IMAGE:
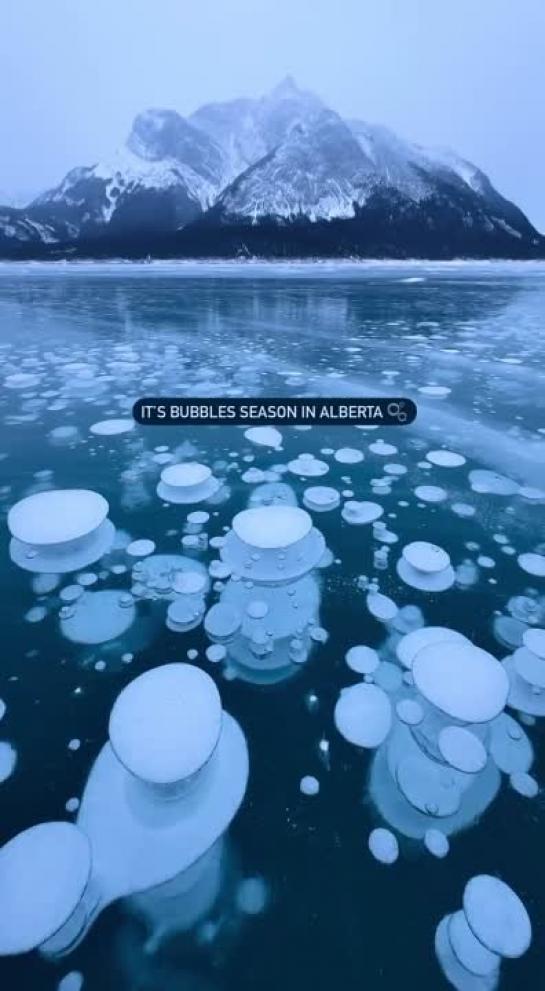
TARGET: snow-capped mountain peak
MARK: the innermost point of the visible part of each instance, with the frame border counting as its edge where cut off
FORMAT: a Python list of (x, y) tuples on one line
[(286, 89), (278, 159)]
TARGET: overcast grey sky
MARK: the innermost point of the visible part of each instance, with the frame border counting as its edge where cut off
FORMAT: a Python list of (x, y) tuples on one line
[(469, 74)]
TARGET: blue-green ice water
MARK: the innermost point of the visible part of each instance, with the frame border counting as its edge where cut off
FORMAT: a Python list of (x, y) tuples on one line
[(78, 345)]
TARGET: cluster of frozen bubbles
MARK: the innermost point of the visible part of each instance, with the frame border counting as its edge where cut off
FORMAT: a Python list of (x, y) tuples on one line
[(150, 826), (162, 792)]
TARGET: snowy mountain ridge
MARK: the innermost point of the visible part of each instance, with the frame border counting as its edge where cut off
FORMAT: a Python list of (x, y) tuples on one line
[(284, 158)]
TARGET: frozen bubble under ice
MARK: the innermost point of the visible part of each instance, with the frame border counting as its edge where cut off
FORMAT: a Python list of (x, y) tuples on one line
[(22, 380), (185, 613), (8, 759), (381, 607), (509, 745), (140, 548), (410, 712), (461, 680), (436, 843), (435, 391), (532, 564), (252, 895), (216, 653), (307, 466), (362, 659), (462, 749), (359, 513), (110, 428), (43, 874), (409, 645), (348, 456), (534, 640), (469, 950), (445, 459), (490, 482), (98, 617), (426, 557), (222, 621), (57, 516), (321, 498), (187, 482), (384, 846), (264, 436), (524, 784), (428, 786), (383, 449), (363, 715), (430, 493), (497, 916), (309, 785), (71, 982), (165, 725), (530, 667), (272, 526)]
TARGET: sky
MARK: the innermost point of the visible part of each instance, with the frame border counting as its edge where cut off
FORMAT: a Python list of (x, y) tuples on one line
[(466, 74)]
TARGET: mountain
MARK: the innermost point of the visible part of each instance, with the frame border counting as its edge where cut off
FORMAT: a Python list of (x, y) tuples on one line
[(18, 229), (165, 176), (283, 175)]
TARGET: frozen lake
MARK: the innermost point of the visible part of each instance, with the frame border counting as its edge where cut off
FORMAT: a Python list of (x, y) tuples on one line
[(440, 524)]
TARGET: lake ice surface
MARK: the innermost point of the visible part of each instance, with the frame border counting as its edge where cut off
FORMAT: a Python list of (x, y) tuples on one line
[(78, 345)]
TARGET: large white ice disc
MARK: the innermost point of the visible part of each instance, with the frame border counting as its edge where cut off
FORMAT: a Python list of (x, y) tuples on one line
[(165, 724), (57, 516), (426, 557), (43, 874), (363, 715), (272, 527), (462, 749), (409, 645), (462, 680), (497, 916)]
